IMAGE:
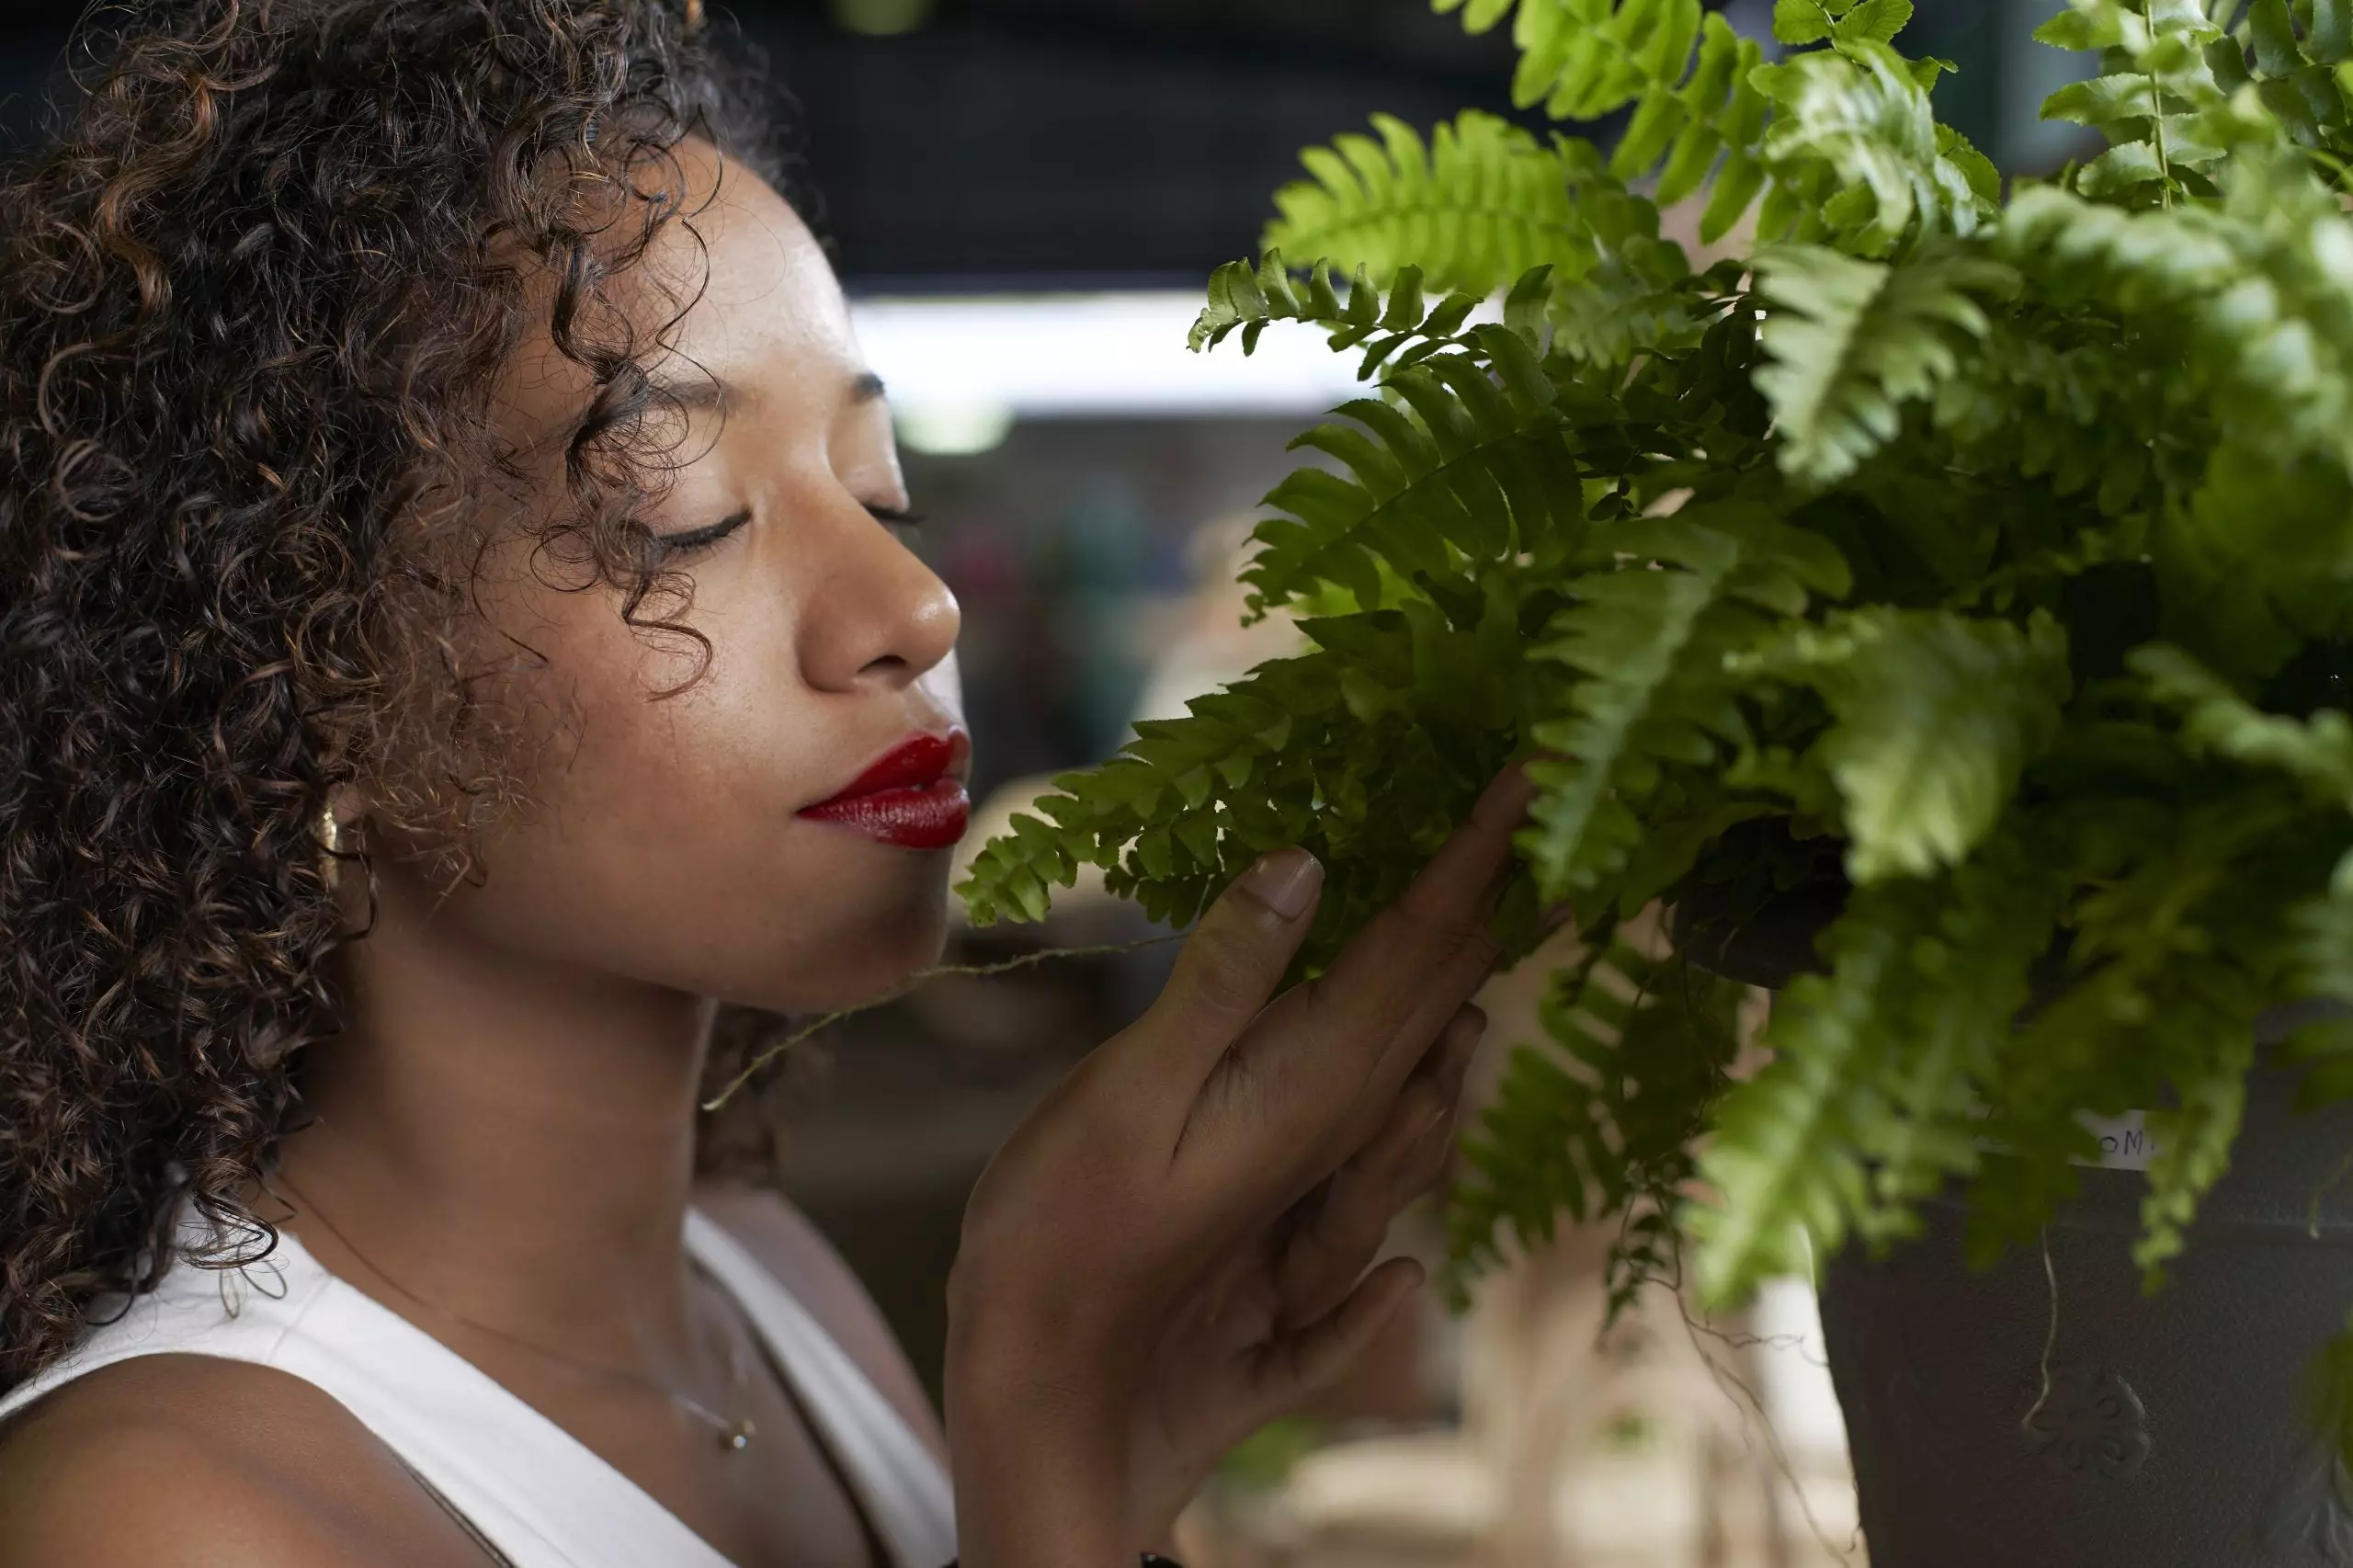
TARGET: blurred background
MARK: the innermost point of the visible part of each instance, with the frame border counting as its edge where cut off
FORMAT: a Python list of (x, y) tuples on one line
[(1024, 198)]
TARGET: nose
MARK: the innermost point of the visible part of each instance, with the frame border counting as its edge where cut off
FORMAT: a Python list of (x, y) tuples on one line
[(876, 616)]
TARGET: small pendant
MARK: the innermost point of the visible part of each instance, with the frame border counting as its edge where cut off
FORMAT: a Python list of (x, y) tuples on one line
[(737, 1435)]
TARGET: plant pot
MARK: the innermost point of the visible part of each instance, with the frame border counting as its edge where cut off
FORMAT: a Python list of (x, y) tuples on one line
[(2165, 1431), (2174, 1428)]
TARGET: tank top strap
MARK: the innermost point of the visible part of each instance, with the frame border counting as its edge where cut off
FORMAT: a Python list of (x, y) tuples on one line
[(896, 1481)]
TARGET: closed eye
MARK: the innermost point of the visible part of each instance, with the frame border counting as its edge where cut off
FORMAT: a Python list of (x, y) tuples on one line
[(903, 517), (695, 540)]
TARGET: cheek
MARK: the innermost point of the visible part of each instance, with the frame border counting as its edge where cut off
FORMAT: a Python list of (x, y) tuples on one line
[(662, 843)]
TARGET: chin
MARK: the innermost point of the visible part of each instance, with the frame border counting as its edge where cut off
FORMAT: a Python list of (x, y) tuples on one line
[(865, 959)]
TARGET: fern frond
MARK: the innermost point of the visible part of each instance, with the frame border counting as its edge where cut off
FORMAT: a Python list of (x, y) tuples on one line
[(1650, 639), (2183, 933), (2323, 960), (1598, 1119), (1250, 297), (1839, 142), (1457, 467), (2180, 92), (1853, 341), (2154, 111), (1687, 73), (2250, 298), (1856, 157), (1977, 937), (1368, 751), (1484, 205), (2318, 750), (1478, 16), (1477, 206), (2191, 1139), (1934, 717), (1785, 1169)]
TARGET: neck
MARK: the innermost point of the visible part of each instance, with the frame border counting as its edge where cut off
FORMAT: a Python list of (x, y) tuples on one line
[(507, 1139)]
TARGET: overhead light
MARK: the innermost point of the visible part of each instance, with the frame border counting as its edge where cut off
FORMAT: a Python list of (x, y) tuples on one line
[(1091, 356), (953, 428), (882, 18)]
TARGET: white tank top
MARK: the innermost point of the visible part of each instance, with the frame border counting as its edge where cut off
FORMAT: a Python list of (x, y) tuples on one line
[(529, 1491)]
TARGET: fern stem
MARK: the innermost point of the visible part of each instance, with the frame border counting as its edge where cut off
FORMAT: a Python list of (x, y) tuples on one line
[(2049, 1340), (825, 1021)]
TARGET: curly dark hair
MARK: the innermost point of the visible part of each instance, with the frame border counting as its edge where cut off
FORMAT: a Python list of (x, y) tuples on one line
[(255, 286)]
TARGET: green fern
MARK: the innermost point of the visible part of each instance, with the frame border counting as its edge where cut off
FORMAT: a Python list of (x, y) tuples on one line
[(1476, 208), (1854, 341), (1651, 637), (1687, 73), (2185, 87), (1996, 552), (1839, 142), (1933, 719), (1787, 1164), (1483, 206), (1598, 1120), (1870, 1103), (2317, 750), (1251, 297), (1856, 158)]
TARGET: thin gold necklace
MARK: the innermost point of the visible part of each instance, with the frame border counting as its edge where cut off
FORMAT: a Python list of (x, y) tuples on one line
[(734, 1434)]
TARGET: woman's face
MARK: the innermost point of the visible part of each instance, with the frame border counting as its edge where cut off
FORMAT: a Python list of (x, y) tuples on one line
[(671, 840)]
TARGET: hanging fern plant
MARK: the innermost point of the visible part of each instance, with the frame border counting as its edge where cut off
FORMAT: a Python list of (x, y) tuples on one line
[(1989, 561)]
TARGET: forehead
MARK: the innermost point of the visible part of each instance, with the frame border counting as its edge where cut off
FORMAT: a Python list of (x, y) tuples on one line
[(735, 285)]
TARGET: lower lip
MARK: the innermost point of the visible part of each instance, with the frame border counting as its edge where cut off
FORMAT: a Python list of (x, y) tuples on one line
[(925, 816)]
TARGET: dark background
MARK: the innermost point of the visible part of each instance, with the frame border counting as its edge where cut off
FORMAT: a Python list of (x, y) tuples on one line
[(1004, 142)]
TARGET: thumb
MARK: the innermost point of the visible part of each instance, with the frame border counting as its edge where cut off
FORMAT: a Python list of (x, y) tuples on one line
[(1236, 956)]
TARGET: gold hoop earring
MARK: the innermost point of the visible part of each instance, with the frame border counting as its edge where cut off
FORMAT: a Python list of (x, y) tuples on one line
[(330, 842)]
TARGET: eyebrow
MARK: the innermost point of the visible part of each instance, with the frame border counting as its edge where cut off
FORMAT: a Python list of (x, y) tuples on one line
[(698, 395)]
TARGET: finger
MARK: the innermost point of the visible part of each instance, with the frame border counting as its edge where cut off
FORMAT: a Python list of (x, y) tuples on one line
[(1292, 1366), (1365, 1022), (1346, 1220), (1232, 961), (1412, 1143), (1415, 1134)]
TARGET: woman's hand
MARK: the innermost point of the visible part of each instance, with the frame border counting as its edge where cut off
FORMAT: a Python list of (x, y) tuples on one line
[(1171, 1249)]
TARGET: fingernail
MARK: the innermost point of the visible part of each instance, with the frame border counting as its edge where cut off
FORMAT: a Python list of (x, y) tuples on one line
[(1285, 881)]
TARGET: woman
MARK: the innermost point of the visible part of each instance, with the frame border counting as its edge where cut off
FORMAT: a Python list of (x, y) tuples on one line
[(453, 635)]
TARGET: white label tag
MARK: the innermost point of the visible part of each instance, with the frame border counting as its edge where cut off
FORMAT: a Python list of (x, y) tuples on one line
[(2124, 1141)]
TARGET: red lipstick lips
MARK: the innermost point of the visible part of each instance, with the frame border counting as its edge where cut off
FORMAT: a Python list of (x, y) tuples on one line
[(912, 796)]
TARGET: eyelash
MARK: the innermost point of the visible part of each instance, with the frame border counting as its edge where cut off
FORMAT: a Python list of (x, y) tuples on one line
[(696, 540)]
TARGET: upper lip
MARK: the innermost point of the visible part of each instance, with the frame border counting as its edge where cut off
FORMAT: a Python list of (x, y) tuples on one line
[(921, 759)]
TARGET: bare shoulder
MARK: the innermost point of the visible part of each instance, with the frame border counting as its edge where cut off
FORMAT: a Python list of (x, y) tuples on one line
[(801, 1258), (195, 1461)]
